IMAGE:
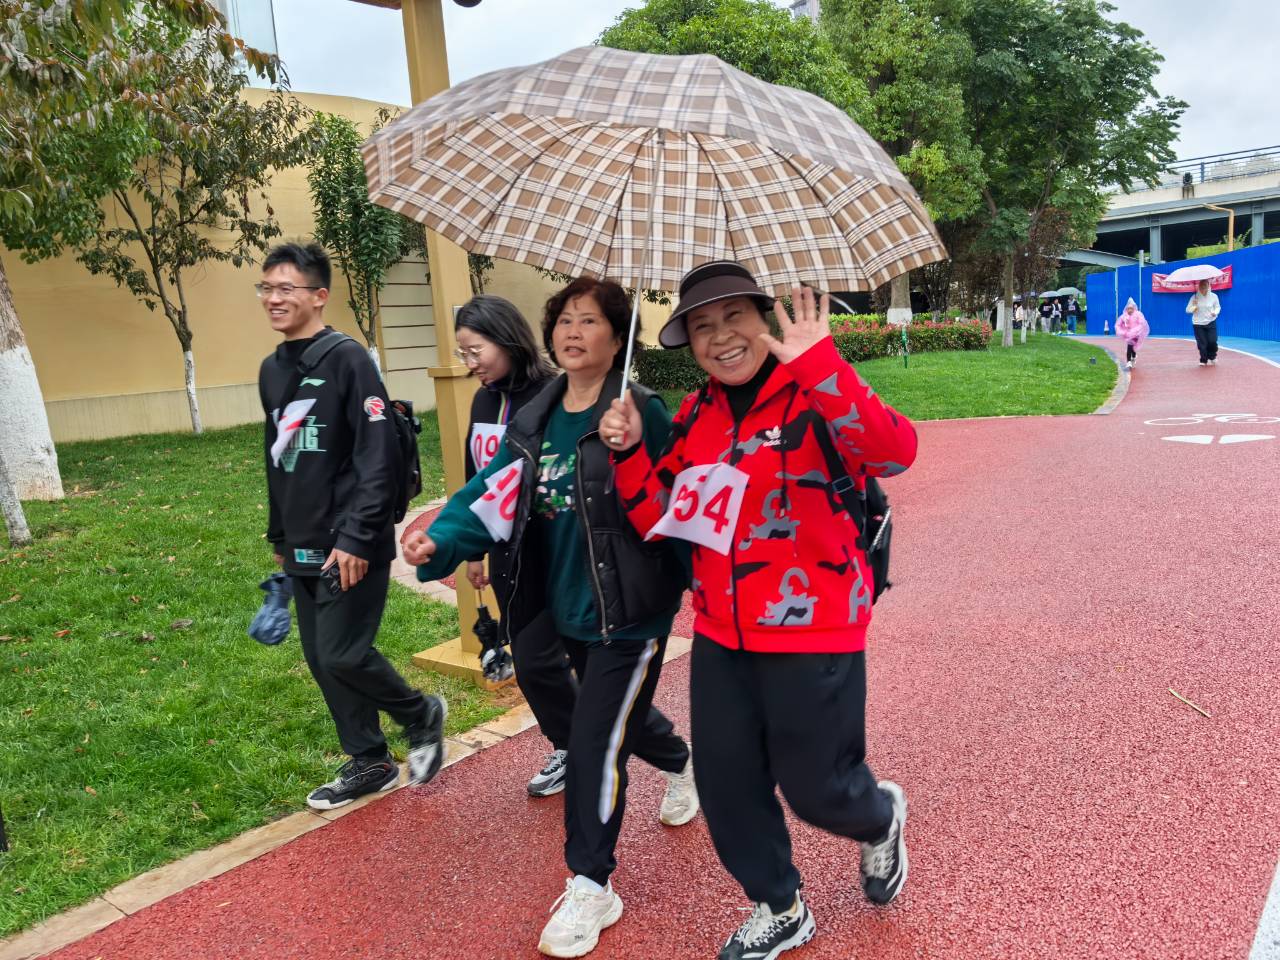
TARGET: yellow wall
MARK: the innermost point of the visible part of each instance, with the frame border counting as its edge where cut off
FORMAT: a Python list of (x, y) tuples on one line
[(110, 367)]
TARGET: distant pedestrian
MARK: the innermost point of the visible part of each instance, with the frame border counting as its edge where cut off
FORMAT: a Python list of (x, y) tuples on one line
[(1055, 314), (1073, 314), (1046, 316), (1132, 327), (1204, 309)]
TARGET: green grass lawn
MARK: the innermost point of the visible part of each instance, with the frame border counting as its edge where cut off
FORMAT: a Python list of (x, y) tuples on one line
[(139, 721), (1047, 375)]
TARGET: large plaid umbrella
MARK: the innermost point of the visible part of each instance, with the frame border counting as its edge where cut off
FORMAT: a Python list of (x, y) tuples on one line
[(638, 167)]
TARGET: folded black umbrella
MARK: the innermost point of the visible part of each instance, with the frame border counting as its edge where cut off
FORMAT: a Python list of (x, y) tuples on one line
[(495, 661)]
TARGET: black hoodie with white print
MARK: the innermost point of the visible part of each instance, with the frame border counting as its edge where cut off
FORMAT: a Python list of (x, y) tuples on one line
[(331, 458)]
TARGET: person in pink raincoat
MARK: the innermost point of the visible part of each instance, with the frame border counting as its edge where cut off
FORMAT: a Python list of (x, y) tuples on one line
[(1132, 327)]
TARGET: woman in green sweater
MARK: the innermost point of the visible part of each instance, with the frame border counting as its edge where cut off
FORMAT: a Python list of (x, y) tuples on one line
[(547, 511)]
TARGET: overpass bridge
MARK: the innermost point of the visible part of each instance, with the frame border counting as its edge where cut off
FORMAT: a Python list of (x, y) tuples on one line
[(1176, 214)]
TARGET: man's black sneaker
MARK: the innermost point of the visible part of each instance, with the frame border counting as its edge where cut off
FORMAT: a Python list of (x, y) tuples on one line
[(550, 779), (884, 864), (766, 935), (355, 778), (426, 741)]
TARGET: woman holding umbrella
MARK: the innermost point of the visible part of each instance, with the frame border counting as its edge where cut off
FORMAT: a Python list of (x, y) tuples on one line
[(782, 589), (1204, 308), (546, 510), (1131, 326)]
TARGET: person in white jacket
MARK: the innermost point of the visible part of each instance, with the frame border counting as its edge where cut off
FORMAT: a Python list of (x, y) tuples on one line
[(1204, 309)]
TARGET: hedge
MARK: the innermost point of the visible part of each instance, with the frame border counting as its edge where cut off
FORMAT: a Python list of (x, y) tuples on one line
[(858, 337)]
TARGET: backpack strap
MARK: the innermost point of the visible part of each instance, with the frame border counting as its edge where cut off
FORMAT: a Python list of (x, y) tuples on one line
[(319, 348), (841, 484)]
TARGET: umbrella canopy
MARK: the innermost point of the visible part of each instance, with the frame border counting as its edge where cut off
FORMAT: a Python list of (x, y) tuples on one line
[(639, 166), (1198, 271), (1070, 292), (1049, 293)]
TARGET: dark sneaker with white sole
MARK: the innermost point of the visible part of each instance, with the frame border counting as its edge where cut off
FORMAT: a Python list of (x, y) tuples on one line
[(884, 864), (766, 935), (426, 741), (355, 778), (550, 779)]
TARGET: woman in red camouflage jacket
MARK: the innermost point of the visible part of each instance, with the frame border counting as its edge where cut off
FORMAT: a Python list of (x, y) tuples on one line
[(782, 592)]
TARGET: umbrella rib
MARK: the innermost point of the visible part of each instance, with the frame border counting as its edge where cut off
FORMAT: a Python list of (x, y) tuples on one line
[(724, 203), (554, 138), (631, 178)]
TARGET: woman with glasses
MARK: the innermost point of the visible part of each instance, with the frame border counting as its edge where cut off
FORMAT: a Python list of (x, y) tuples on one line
[(496, 344)]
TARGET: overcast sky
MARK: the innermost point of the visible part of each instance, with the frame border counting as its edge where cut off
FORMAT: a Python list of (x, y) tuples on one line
[(1225, 66)]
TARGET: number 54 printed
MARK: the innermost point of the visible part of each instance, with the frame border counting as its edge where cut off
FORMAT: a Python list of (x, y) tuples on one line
[(704, 506)]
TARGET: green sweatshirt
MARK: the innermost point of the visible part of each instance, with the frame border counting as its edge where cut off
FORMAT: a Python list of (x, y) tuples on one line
[(458, 533)]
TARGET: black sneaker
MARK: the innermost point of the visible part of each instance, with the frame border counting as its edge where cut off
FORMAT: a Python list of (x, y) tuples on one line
[(550, 779), (426, 741), (355, 778), (766, 935), (884, 864)]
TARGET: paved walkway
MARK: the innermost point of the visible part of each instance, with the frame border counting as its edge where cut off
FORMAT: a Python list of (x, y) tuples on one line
[(1055, 578)]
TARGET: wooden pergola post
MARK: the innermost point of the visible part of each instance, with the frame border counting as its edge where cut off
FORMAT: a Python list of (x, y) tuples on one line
[(450, 289)]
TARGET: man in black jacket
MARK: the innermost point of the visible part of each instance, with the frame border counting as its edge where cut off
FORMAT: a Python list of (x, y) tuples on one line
[(332, 460)]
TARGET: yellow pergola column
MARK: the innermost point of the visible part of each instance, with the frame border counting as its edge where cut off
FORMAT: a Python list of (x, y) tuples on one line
[(450, 289)]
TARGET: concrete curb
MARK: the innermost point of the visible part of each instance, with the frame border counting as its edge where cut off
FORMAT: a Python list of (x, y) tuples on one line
[(1122, 384)]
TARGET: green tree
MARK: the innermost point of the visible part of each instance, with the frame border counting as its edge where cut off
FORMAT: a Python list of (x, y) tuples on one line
[(365, 239), (912, 56), (73, 81), (200, 193), (753, 35), (1062, 103)]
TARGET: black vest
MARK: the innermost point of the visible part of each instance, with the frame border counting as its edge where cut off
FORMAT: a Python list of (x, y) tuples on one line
[(633, 581)]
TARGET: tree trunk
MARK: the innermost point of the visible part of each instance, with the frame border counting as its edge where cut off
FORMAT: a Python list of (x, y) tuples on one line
[(1007, 339), (15, 520), (900, 300), (377, 361), (26, 445), (193, 402)]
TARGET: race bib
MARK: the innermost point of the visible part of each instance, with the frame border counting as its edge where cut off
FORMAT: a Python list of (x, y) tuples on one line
[(287, 425), (486, 438), (704, 506), (496, 507)]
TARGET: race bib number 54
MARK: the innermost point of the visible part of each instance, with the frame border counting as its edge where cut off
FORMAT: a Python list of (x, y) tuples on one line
[(704, 506)]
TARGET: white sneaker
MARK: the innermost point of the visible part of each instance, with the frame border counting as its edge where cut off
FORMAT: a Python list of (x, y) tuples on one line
[(680, 802), (1129, 365), (577, 919)]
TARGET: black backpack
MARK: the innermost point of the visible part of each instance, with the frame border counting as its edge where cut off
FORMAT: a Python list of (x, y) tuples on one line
[(407, 426), (869, 508)]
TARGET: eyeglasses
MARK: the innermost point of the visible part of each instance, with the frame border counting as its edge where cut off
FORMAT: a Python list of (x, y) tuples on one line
[(469, 354), (265, 290)]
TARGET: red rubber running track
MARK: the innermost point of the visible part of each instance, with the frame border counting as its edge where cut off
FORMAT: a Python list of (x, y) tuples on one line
[(1055, 577)]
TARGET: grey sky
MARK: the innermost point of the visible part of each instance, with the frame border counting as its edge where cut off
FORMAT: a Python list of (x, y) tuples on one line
[(1219, 57)]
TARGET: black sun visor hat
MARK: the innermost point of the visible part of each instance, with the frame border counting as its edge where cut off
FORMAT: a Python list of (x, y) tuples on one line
[(707, 283)]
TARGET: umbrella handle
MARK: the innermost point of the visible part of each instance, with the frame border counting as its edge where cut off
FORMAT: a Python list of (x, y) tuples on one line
[(644, 262)]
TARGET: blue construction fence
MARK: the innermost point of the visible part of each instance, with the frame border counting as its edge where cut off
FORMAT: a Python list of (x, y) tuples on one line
[(1251, 308)]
